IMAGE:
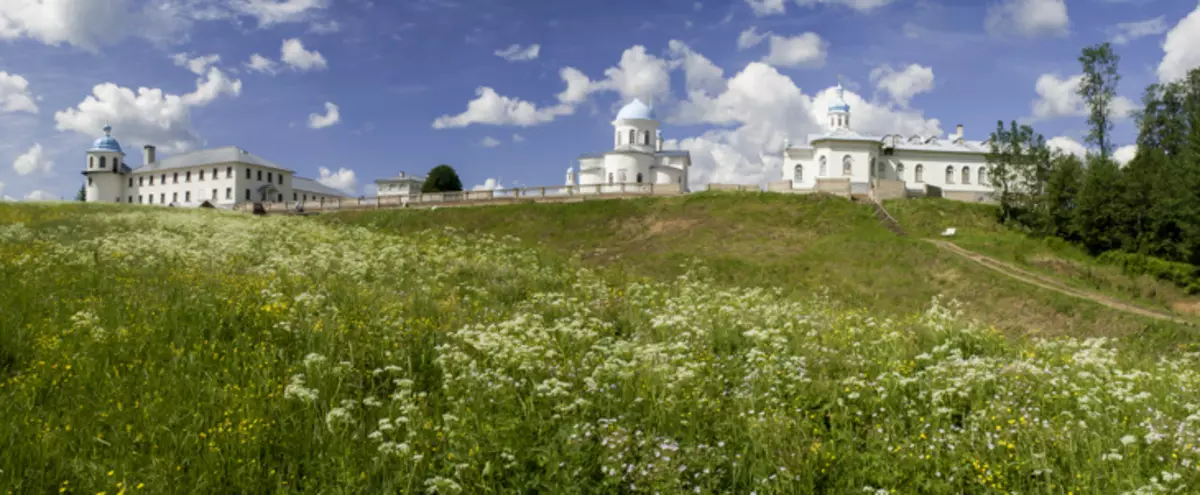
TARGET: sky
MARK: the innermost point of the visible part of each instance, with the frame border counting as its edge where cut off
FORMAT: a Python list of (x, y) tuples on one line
[(512, 92)]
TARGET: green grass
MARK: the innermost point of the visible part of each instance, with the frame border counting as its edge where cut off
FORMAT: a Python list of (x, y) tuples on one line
[(195, 351)]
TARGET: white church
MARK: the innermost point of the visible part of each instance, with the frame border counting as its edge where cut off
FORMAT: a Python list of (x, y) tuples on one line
[(904, 166), (219, 177), (637, 156)]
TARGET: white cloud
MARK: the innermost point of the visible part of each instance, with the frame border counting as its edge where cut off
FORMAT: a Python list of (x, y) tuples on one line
[(1125, 154), (147, 116), (296, 57), (328, 27), (766, 7), (638, 75), (331, 117), (803, 50), (491, 108), (270, 12), (488, 185), (578, 86), (15, 95), (90, 24), (515, 53), (259, 63), (343, 180), (198, 65), (40, 195), (1027, 18), (32, 161), (489, 142), (1067, 145), (749, 38), (772, 7), (1179, 49), (517, 138), (901, 86), (1058, 97), (1129, 31), (699, 72)]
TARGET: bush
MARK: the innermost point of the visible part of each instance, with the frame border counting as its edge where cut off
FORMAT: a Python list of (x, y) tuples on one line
[(1181, 274)]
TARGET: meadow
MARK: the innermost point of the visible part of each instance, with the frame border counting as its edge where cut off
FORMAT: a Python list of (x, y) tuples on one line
[(147, 350)]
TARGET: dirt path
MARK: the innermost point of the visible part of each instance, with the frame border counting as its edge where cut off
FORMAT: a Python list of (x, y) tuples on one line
[(1052, 284)]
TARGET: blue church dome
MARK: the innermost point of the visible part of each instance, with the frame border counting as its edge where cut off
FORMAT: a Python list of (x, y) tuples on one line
[(635, 110), (839, 102), (107, 142)]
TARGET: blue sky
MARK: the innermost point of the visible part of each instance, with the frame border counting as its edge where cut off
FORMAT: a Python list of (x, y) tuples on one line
[(730, 79)]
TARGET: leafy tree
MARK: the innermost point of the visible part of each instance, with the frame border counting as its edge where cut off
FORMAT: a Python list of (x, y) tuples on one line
[(1062, 196), (442, 178), (82, 194), (1098, 90), (1019, 165), (1099, 211)]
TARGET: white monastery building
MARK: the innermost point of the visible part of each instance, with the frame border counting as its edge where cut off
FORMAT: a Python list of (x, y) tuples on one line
[(221, 177), (400, 185), (951, 167), (637, 156)]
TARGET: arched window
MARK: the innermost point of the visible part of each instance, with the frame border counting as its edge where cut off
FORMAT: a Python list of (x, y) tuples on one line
[(950, 174), (982, 176), (91, 161), (900, 171), (919, 173), (646, 137), (799, 173), (847, 165), (966, 175), (610, 178), (102, 160), (824, 172), (639, 178), (632, 136)]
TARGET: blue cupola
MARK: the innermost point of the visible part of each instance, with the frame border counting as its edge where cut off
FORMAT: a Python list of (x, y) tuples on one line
[(107, 142)]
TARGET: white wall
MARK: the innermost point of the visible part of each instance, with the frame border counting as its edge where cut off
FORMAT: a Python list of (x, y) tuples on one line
[(407, 188), (935, 165), (630, 163)]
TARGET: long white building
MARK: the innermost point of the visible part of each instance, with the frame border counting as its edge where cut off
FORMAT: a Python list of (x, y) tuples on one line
[(221, 177), (637, 156), (952, 167)]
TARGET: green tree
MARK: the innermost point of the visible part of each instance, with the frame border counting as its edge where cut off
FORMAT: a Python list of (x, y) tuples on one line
[(82, 194), (1062, 195), (442, 178), (1019, 164), (1098, 90), (1099, 211)]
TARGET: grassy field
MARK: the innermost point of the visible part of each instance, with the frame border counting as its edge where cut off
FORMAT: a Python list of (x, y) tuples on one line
[(171, 351)]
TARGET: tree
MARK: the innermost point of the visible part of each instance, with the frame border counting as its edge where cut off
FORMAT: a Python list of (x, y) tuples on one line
[(1098, 90), (1062, 196), (1019, 164), (442, 178), (82, 194), (1099, 211)]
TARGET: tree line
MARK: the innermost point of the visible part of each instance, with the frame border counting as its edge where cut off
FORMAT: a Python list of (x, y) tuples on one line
[(1145, 215)]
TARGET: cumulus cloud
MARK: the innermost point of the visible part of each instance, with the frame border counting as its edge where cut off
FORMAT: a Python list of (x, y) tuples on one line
[(148, 115), (1179, 49), (15, 95), (90, 24), (489, 142), (488, 185), (32, 161), (750, 38), (40, 195), (296, 57), (902, 85), (803, 50), (699, 72), (271, 12), (515, 53), (198, 65), (1059, 97), (343, 180), (1129, 31), (1027, 18), (1125, 154), (259, 63), (489, 107), (331, 117), (1067, 145)]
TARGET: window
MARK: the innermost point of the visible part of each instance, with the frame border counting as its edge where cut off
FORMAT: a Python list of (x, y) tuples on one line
[(89, 180), (131, 184), (260, 175), (623, 178), (632, 136), (900, 171), (799, 176), (228, 172), (214, 196), (102, 159), (295, 197), (919, 173), (187, 177), (982, 176), (118, 199), (151, 197), (131, 200), (187, 197), (175, 178), (214, 175), (162, 179), (645, 138), (950, 174), (142, 181), (139, 199), (966, 175), (281, 197), (269, 178), (280, 177), (202, 176), (91, 161), (610, 178), (847, 165), (823, 172), (247, 194), (228, 193), (248, 172), (639, 178), (152, 180), (162, 198), (175, 197), (306, 197), (116, 164)]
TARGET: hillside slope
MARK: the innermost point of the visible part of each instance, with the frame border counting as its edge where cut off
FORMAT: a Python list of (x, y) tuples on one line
[(803, 244)]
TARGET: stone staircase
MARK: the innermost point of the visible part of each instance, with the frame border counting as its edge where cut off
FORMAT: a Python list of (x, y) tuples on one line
[(886, 219)]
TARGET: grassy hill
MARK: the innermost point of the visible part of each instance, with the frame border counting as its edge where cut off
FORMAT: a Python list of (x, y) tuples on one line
[(164, 350), (803, 244)]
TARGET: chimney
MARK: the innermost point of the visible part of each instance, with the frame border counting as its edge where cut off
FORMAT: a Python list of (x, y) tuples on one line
[(148, 154), (960, 134)]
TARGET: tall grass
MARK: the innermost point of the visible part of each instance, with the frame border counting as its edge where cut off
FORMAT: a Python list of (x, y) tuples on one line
[(201, 352)]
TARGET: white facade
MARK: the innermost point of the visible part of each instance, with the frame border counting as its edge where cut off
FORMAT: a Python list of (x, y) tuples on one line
[(222, 177), (637, 156), (400, 185), (956, 166)]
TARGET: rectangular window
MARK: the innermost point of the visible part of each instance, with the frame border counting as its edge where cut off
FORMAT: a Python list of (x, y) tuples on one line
[(228, 172), (248, 172), (187, 197), (215, 176), (260, 175), (141, 181), (163, 179), (201, 175), (187, 177), (175, 178), (295, 196), (281, 179), (247, 195), (214, 196), (152, 180), (228, 193), (151, 198), (139, 199), (280, 197), (175, 197), (131, 184), (306, 197), (162, 198), (269, 178), (131, 200), (89, 181)]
